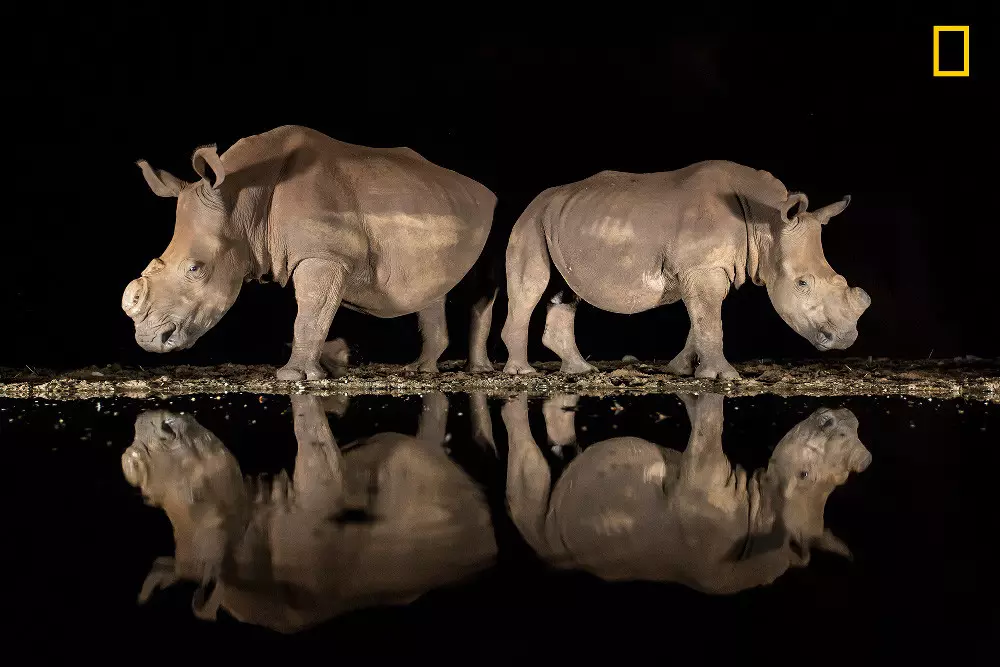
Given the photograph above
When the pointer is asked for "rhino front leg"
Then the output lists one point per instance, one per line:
(560, 337)
(317, 481)
(434, 331)
(528, 272)
(319, 287)
(703, 293)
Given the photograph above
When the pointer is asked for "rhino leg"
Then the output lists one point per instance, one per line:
(319, 287)
(434, 331)
(560, 337)
(528, 476)
(560, 419)
(317, 481)
(703, 293)
(433, 418)
(482, 320)
(528, 271)
(482, 426)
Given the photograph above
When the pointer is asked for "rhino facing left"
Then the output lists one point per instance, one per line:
(382, 231)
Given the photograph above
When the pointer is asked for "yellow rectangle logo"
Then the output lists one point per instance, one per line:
(938, 29)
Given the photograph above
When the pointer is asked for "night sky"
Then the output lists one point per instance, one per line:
(831, 105)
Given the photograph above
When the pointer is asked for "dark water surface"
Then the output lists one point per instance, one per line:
(456, 527)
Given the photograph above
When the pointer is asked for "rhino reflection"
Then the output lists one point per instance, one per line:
(376, 524)
(627, 509)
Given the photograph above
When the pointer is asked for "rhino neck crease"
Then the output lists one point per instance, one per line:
(760, 513)
(759, 241)
(249, 218)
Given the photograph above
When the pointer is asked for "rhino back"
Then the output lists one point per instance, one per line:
(388, 212)
(649, 229)
(610, 510)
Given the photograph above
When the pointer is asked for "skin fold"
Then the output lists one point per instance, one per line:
(627, 243)
(628, 509)
(378, 230)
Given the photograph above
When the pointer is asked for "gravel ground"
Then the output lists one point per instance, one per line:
(965, 377)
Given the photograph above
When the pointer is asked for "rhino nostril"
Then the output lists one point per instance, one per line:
(167, 333)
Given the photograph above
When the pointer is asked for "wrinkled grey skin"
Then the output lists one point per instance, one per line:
(626, 243)
(378, 230)
(627, 509)
(283, 554)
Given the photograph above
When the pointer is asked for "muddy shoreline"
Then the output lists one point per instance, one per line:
(970, 378)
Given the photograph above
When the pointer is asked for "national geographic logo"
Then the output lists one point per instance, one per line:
(951, 50)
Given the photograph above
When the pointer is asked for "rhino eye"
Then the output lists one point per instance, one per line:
(803, 474)
(194, 267)
(803, 283)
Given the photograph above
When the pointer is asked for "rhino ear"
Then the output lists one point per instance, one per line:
(830, 542)
(796, 201)
(162, 183)
(206, 158)
(824, 214)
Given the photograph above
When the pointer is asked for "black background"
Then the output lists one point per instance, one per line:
(832, 104)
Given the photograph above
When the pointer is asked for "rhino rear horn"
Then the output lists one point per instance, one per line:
(206, 158)
(162, 183)
(794, 198)
(824, 214)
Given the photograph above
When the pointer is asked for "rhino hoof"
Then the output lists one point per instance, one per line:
(518, 368)
(726, 372)
(290, 373)
(479, 367)
(421, 367)
(576, 367)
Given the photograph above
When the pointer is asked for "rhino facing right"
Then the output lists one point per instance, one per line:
(627, 243)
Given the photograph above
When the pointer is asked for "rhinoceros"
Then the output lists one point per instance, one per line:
(378, 230)
(380, 523)
(627, 243)
(628, 509)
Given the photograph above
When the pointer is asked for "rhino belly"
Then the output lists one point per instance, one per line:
(415, 259)
(608, 265)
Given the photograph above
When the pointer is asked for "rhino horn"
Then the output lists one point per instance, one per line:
(824, 214)
(793, 199)
(162, 183)
(206, 158)
(830, 542)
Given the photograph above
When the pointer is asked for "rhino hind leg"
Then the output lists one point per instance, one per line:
(560, 337)
(528, 272)
(434, 331)
(479, 332)
(703, 293)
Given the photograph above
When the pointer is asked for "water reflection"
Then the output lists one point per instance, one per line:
(629, 509)
(354, 526)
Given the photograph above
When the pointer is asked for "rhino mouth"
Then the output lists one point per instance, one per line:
(823, 340)
(167, 337)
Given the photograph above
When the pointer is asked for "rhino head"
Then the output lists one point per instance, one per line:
(813, 459)
(181, 467)
(185, 291)
(808, 294)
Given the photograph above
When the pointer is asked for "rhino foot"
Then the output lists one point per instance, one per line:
(682, 364)
(479, 367)
(576, 367)
(721, 371)
(294, 372)
(518, 368)
(421, 366)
